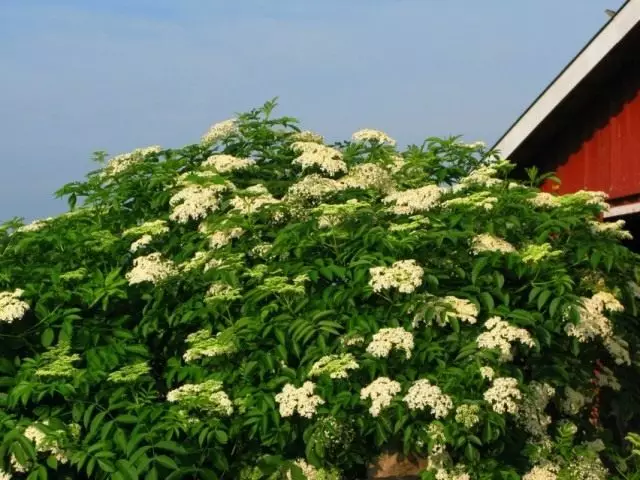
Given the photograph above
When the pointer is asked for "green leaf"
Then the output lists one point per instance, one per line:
(127, 470)
(152, 474)
(166, 462)
(542, 299)
(171, 447)
(52, 462)
(221, 436)
(47, 337)
(487, 301)
(477, 268)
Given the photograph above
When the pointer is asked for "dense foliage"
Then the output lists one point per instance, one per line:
(264, 305)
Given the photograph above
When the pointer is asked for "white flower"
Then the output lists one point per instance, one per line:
(153, 228)
(33, 226)
(302, 400)
(532, 414)
(405, 275)
(482, 176)
(545, 200)
(619, 349)
(312, 154)
(467, 415)
(487, 372)
(220, 131)
(336, 366)
(573, 401)
(313, 187)
(5, 476)
(196, 201)
(253, 199)
(388, 339)
(480, 200)
(537, 253)
(206, 396)
(585, 197)
(11, 307)
(414, 200)
(488, 243)
(381, 392)
(307, 136)
(223, 292)
(150, 268)
(370, 135)
(224, 163)
(352, 340)
(463, 309)
(122, 162)
(593, 323)
(423, 394)
(542, 472)
(141, 242)
(503, 395)
(501, 335)
(606, 378)
(203, 344)
(611, 229)
(223, 237)
(369, 175)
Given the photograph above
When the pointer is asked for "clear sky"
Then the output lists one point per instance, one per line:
(83, 75)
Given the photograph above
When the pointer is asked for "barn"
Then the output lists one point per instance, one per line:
(585, 125)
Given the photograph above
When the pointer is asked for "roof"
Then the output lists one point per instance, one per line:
(570, 78)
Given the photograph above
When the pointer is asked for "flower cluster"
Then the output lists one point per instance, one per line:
(207, 396)
(301, 400)
(369, 176)
(479, 200)
(619, 349)
(460, 308)
(330, 215)
(194, 202)
(545, 200)
(280, 285)
(415, 200)
(57, 362)
(532, 414)
(195, 177)
(222, 238)
(593, 323)
(253, 199)
(150, 268)
(417, 221)
(202, 344)
(223, 163)
(222, 292)
(586, 197)
(33, 226)
(142, 242)
(313, 187)
(220, 131)
(587, 468)
(573, 401)
(500, 335)
(313, 154)
(374, 136)
(423, 394)
(405, 275)
(543, 472)
(11, 307)
(124, 161)
(611, 229)
(336, 366)
(307, 136)
(482, 176)
(504, 395)
(129, 373)
(468, 415)
(312, 473)
(45, 443)
(606, 378)
(536, 253)
(388, 339)
(199, 260)
(487, 372)
(381, 392)
(488, 243)
(153, 228)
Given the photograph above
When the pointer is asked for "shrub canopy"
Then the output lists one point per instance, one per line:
(264, 305)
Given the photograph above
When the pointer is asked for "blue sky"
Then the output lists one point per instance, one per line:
(85, 75)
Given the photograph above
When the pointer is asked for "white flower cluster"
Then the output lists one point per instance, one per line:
(423, 394)
(142, 242)
(34, 226)
(479, 200)
(468, 415)
(414, 200)
(199, 260)
(405, 275)
(307, 136)
(587, 197)
(381, 392)
(593, 323)
(202, 344)
(223, 237)
(5, 476)
(302, 400)
(545, 200)
(369, 176)
(187, 178)
(207, 396)
(504, 395)
(501, 335)
(196, 201)
(606, 378)
(475, 145)
(388, 339)
(336, 366)
(487, 372)
(482, 176)
(463, 309)
(313, 187)
(222, 292)
(587, 468)
(536, 253)
(542, 472)
(455, 474)
(124, 161)
(43, 443)
(619, 349)
(11, 307)
(312, 473)
(611, 229)
(220, 131)
(488, 243)
(352, 341)
(150, 268)
(331, 215)
(153, 228)
(370, 135)
(573, 401)
(532, 414)
(313, 154)
(253, 199)
(224, 163)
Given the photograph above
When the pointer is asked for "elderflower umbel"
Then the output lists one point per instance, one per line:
(414, 200)
(501, 335)
(122, 162)
(301, 400)
(531, 414)
(592, 322)
(198, 260)
(586, 197)
(5, 476)
(381, 392)
(483, 176)
(150, 268)
(467, 415)
(253, 199)
(369, 176)
(194, 202)
(331, 215)
(312, 154)
(573, 401)
(313, 187)
(488, 243)
(587, 468)
(454, 307)
(312, 473)
(143, 241)
(207, 396)
(370, 135)
(220, 131)
(388, 339)
(202, 344)
(544, 200)
(307, 136)
(224, 163)
(223, 237)
(153, 228)
(11, 307)
(504, 395)
(405, 275)
(611, 229)
(43, 443)
(222, 292)
(423, 394)
(537, 253)
(542, 472)
(57, 362)
(33, 226)
(606, 378)
(336, 366)
(480, 200)
(129, 373)
(487, 372)
(619, 349)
